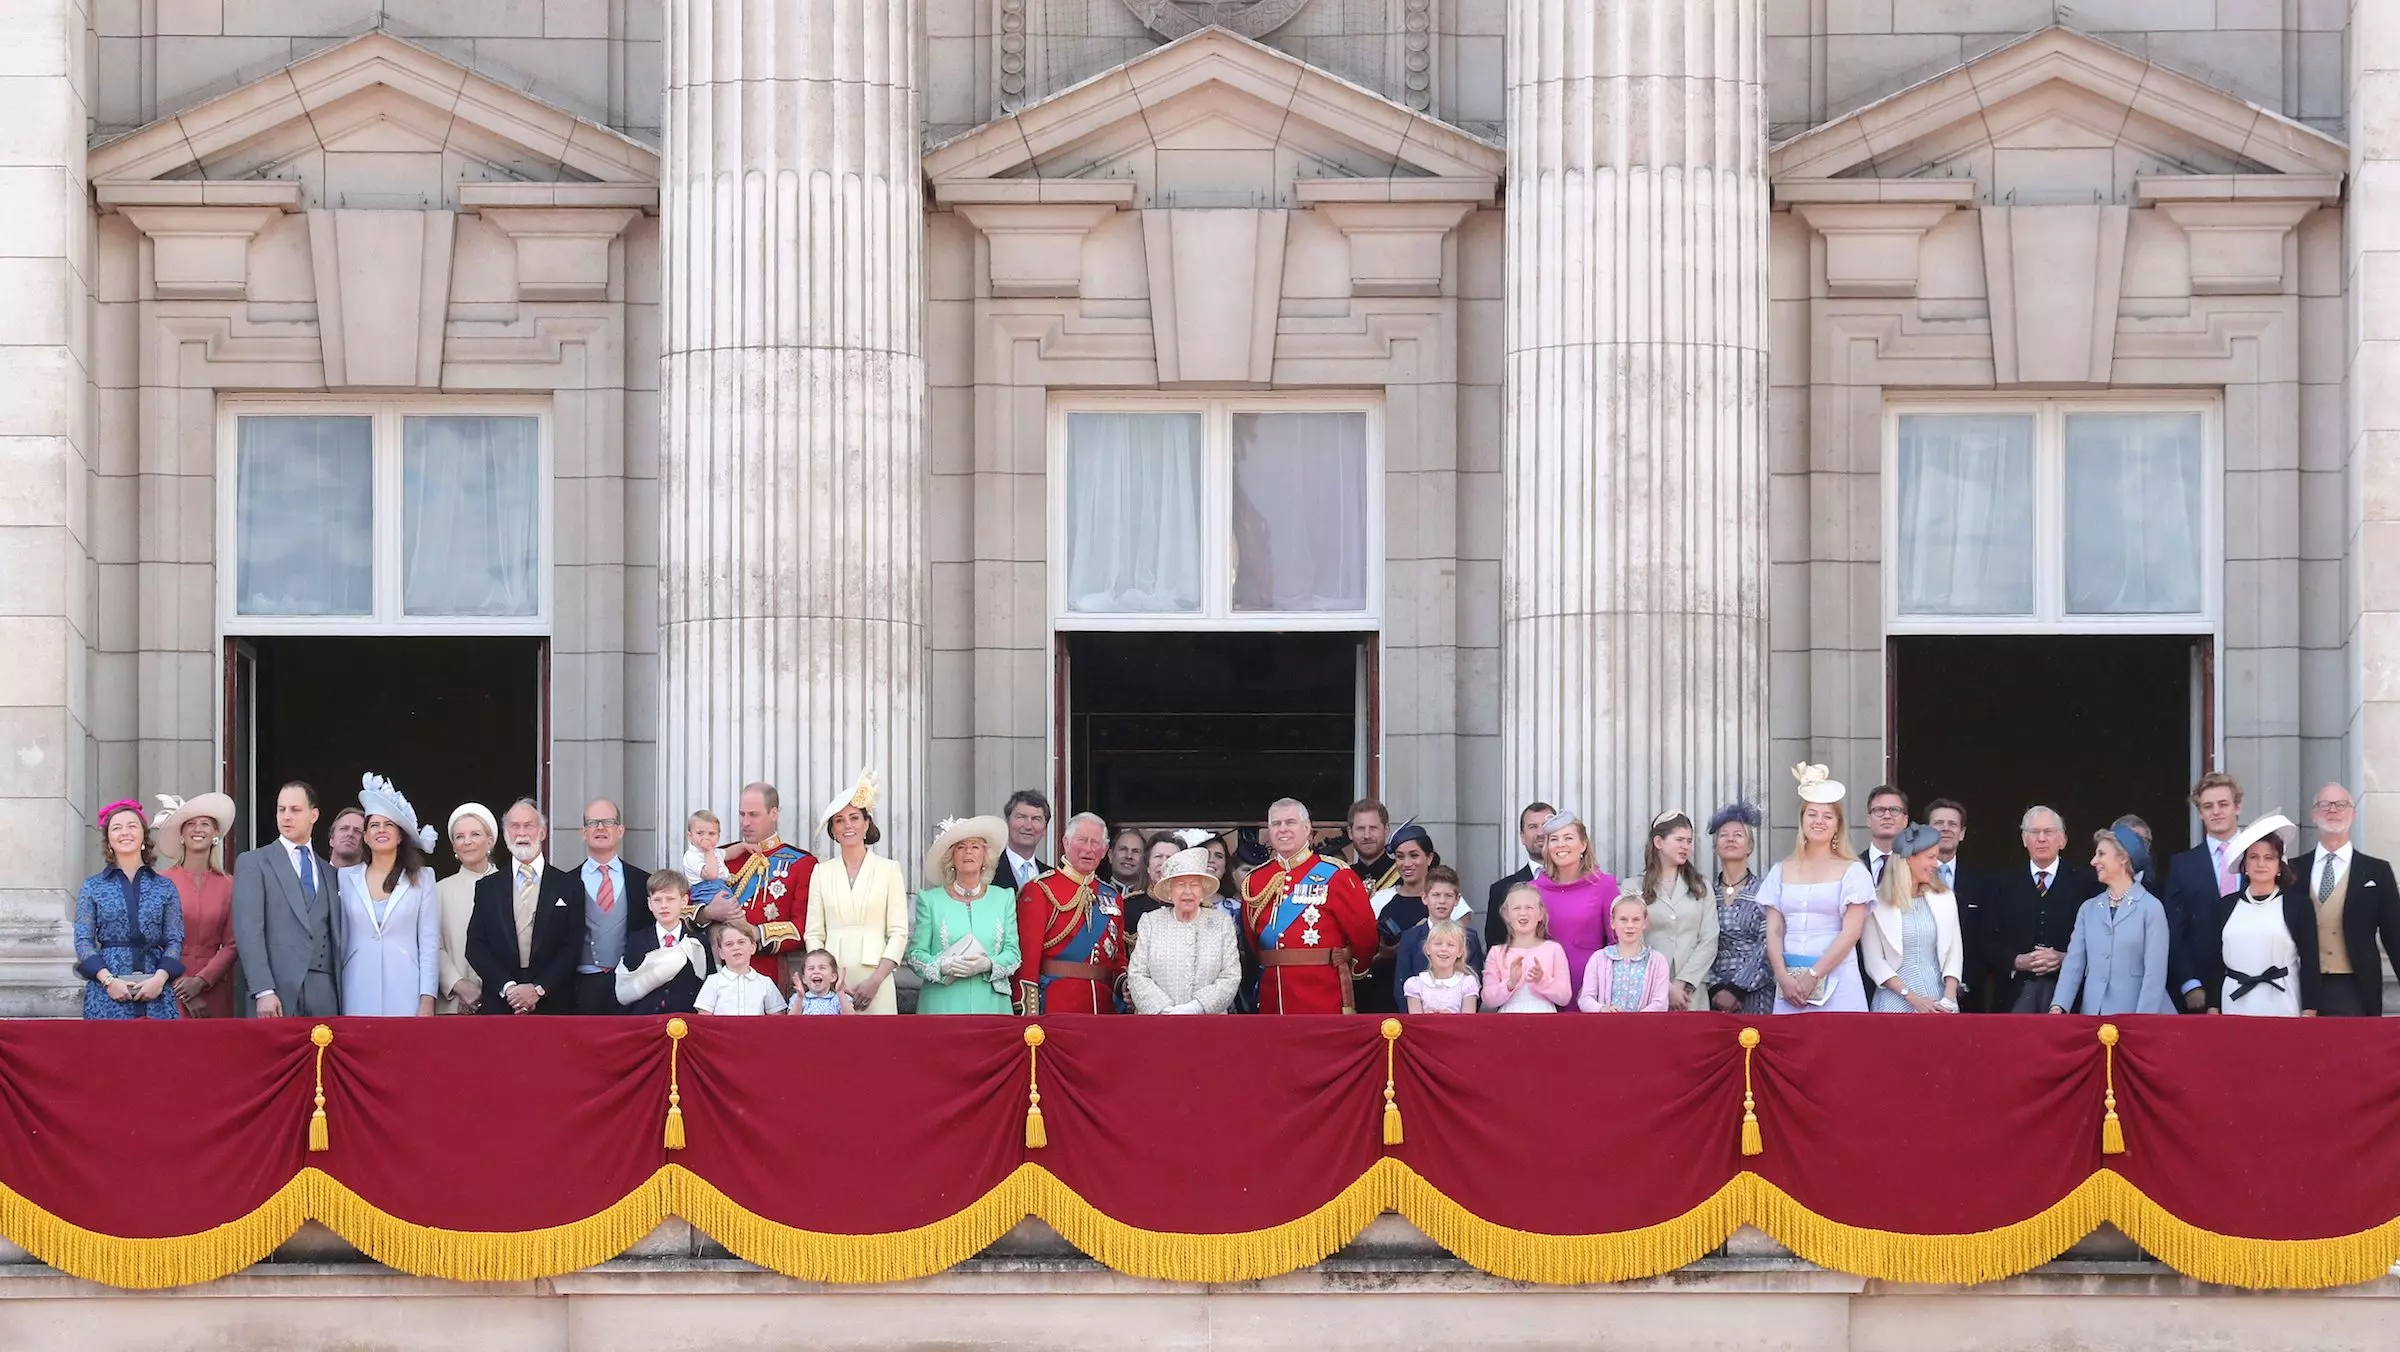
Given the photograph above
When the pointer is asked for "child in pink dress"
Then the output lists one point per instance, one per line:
(1626, 977)
(1447, 985)
(1528, 975)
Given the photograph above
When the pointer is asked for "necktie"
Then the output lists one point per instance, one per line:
(2041, 883)
(2325, 883)
(308, 872)
(1949, 875)
(524, 876)
(608, 891)
(1879, 866)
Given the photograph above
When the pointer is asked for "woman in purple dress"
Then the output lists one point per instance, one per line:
(1574, 891)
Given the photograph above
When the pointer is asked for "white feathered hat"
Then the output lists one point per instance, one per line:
(377, 798)
(860, 795)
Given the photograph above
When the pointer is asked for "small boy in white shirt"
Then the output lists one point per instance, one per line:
(703, 862)
(733, 988)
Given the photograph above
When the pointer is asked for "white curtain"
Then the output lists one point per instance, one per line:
(304, 516)
(471, 516)
(1133, 512)
(2134, 497)
(1300, 503)
(1966, 514)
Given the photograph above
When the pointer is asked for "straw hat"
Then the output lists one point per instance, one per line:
(990, 830)
(174, 812)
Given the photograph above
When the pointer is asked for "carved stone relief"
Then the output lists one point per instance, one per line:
(1172, 19)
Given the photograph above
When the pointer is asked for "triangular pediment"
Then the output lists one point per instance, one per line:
(1211, 118)
(375, 94)
(2058, 90)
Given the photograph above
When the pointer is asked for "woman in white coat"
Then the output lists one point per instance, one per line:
(1912, 947)
(1187, 960)
(859, 907)
(392, 939)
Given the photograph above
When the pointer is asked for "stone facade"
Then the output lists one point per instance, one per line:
(535, 201)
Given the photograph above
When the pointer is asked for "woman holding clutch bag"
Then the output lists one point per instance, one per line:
(964, 943)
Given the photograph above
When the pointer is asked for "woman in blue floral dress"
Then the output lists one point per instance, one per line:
(128, 925)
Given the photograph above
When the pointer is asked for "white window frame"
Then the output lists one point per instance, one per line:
(387, 616)
(1216, 612)
(2050, 616)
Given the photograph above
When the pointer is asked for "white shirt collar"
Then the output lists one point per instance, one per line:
(2342, 854)
(534, 865)
(2034, 870)
(667, 938)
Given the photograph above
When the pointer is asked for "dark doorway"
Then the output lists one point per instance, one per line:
(2095, 726)
(1207, 729)
(448, 720)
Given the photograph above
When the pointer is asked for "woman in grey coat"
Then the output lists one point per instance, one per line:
(2117, 961)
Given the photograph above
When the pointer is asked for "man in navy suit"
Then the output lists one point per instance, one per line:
(527, 922)
(2356, 901)
(2196, 879)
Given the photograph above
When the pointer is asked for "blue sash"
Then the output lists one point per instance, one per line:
(1298, 895)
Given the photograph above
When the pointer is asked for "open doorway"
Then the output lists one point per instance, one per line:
(1206, 729)
(448, 720)
(2095, 726)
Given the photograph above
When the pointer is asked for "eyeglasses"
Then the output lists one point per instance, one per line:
(596, 823)
(2334, 805)
(1886, 812)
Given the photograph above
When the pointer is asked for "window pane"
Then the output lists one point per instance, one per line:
(1965, 522)
(2133, 513)
(471, 524)
(1133, 512)
(1300, 524)
(304, 526)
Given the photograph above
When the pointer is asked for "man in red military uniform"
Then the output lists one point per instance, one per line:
(1071, 930)
(766, 886)
(1308, 919)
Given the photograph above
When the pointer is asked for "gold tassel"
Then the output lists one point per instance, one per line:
(319, 1138)
(1036, 1137)
(1391, 1104)
(676, 1028)
(2112, 1132)
(1751, 1144)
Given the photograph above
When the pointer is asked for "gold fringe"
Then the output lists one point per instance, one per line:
(319, 1132)
(2112, 1132)
(1752, 1144)
(1037, 1136)
(1391, 1102)
(1517, 1255)
(675, 1033)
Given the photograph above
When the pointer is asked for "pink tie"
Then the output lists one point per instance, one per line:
(2225, 879)
(608, 891)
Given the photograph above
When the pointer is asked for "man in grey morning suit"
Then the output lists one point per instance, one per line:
(286, 926)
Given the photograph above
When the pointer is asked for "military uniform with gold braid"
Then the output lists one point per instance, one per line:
(1310, 924)
(1071, 932)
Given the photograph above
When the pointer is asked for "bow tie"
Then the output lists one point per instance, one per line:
(2244, 983)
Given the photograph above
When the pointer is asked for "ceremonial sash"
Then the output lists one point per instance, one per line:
(1298, 896)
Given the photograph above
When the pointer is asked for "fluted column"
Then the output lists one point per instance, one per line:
(1634, 578)
(791, 553)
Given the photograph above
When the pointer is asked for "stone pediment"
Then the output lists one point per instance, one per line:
(2059, 116)
(1214, 120)
(376, 95)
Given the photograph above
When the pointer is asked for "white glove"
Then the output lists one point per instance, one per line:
(953, 967)
(1187, 1007)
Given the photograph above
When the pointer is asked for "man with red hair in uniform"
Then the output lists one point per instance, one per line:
(1071, 930)
(1308, 920)
(766, 883)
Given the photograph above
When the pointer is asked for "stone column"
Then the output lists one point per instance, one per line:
(45, 440)
(2371, 240)
(1634, 578)
(792, 540)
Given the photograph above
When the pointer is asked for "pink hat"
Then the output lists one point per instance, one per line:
(121, 805)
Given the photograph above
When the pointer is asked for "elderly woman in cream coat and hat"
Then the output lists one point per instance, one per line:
(858, 904)
(965, 945)
(1186, 960)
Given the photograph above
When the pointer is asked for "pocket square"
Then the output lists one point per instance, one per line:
(560, 902)
(2368, 883)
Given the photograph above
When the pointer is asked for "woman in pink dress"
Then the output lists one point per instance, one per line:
(1574, 891)
(190, 836)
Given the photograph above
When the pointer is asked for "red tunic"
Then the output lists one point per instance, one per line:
(1333, 914)
(771, 883)
(1078, 923)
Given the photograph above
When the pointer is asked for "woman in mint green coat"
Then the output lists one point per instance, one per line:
(963, 946)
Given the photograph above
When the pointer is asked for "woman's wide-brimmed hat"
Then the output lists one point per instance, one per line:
(2274, 823)
(1191, 863)
(1817, 784)
(377, 798)
(174, 812)
(860, 795)
(990, 830)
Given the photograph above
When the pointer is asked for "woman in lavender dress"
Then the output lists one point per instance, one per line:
(1816, 903)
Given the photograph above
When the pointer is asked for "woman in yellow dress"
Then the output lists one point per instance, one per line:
(858, 903)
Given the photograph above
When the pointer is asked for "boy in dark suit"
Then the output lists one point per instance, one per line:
(665, 961)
